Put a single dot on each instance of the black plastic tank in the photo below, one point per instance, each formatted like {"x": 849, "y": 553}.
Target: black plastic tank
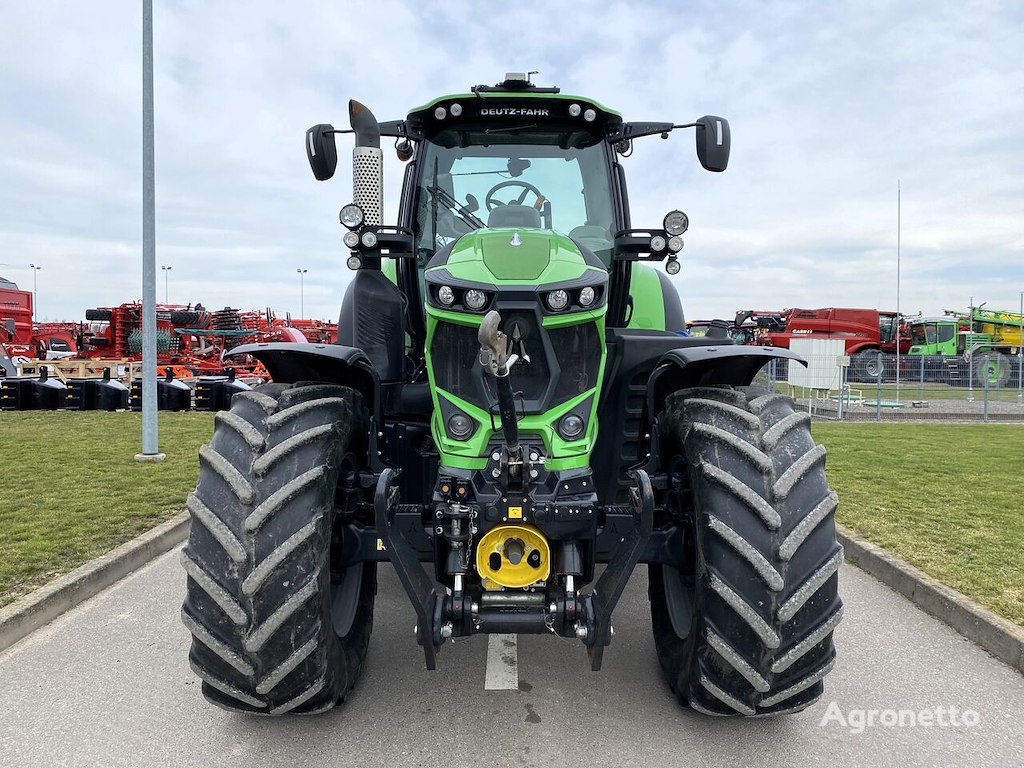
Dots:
{"x": 214, "y": 393}
{"x": 373, "y": 320}
{"x": 171, "y": 394}
{"x": 104, "y": 394}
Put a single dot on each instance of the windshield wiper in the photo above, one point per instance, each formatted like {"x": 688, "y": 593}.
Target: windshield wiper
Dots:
{"x": 456, "y": 207}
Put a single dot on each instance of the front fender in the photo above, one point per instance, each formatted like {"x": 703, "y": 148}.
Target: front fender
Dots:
{"x": 726, "y": 364}
{"x": 290, "y": 362}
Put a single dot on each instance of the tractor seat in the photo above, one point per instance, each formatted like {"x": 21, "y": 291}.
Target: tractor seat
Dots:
{"x": 596, "y": 239}
{"x": 591, "y": 235}
{"x": 512, "y": 215}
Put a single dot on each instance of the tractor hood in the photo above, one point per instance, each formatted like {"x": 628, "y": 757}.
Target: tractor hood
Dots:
{"x": 515, "y": 256}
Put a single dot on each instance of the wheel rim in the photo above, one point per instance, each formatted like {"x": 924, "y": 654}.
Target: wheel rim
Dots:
{"x": 992, "y": 371}
{"x": 679, "y": 597}
{"x": 345, "y": 599}
{"x": 346, "y": 583}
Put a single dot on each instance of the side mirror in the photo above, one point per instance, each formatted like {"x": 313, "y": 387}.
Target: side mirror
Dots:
{"x": 321, "y": 151}
{"x": 713, "y": 143}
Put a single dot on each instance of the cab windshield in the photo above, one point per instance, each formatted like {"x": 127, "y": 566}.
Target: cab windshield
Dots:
{"x": 517, "y": 185}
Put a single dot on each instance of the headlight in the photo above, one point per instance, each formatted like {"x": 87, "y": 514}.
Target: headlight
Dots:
{"x": 589, "y": 115}
{"x": 351, "y": 239}
{"x": 587, "y": 296}
{"x": 558, "y": 300}
{"x": 657, "y": 243}
{"x": 676, "y": 222}
{"x": 675, "y": 244}
{"x": 571, "y": 426}
{"x": 460, "y": 426}
{"x": 475, "y": 299}
{"x": 352, "y": 216}
{"x": 446, "y": 295}
{"x": 574, "y": 110}
{"x": 369, "y": 239}
{"x": 354, "y": 262}
{"x": 672, "y": 266}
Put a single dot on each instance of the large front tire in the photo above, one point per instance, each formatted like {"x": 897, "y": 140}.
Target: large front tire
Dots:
{"x": 274, "y": 629}
{"x": 748, "y": 631}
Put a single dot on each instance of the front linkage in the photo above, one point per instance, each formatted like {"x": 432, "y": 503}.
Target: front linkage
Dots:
{"x": 555, "y": 608}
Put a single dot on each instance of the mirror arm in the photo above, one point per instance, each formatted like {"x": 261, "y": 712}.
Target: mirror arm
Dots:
{"x": 394, "y": 129}
{"x": 627, "y": 135}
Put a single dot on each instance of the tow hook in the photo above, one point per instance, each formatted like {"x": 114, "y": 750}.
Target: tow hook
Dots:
{"x": 497, "y": 362}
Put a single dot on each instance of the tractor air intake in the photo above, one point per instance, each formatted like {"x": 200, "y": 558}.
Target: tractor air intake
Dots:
{"x": 367, "y": 163}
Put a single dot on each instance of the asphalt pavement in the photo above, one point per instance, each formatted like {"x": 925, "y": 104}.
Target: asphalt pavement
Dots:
{"x": 108, "y": 684}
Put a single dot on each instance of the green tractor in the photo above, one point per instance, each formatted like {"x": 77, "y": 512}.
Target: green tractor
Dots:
{"x": 509, "y": 406}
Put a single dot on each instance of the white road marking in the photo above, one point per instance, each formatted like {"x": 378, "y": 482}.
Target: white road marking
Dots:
{"x": 502, "y": 663}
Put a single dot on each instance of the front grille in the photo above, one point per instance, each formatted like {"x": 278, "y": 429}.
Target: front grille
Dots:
{"x": 579, "y": 356}
{"x": 563, "y": 362}
{"x": 454, "y": 356}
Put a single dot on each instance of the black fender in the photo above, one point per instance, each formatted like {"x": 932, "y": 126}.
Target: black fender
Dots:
{"x": 289, "y": 362}
{"x": 696, "y": 366}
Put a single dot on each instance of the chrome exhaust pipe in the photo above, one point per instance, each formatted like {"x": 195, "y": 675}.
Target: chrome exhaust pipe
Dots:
{"x": 367, "y": 163}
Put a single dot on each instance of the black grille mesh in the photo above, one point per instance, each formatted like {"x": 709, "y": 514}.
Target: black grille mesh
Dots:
{"x": 454, "y": 356}
{"x": 576, "y": 349}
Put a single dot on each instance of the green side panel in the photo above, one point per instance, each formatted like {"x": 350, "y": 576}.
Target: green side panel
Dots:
{"x": 487, "y": 256}
{"x": 648, "y": 300}
{"x": 459, "y": 318}
{"x": 390, "y": 270}
{"x": 575, "y": 318}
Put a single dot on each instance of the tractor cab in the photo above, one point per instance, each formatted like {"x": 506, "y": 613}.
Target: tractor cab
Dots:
{"x": 513, "y": 156}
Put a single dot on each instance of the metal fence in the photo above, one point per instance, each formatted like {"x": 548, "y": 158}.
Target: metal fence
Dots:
{"x": 986, "y": 387}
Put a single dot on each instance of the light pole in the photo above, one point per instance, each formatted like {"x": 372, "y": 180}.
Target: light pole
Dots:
{"x": 167, "y": 271}
{"x": 967, "y": 353}
{"x": 897, "y": 320}
{"x": 969, "y": 350}
{"x": 1020, "y": 354}
{"x": 302, "y": 292}
{"x": 35, "y": 271}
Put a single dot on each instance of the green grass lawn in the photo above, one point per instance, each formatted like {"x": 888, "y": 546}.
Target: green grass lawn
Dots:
{"x": 72, "y": 489}
{"x": 946, "y": 498}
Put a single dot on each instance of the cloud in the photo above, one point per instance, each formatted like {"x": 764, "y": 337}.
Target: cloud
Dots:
{"x": 830, "y": 105}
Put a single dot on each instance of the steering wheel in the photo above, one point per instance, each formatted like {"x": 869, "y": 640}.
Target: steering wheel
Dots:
{"x": 491, "y": 202}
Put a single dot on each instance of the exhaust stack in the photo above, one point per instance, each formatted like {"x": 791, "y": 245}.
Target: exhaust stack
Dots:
{"x": 367, "y": 163}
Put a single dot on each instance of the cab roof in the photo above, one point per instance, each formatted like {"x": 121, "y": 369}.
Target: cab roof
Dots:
{"x": 514, "y": 105}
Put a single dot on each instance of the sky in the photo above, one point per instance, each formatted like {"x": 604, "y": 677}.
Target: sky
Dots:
{"x": 833, "y": 106}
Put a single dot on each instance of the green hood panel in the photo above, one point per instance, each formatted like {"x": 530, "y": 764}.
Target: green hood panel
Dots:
{"x": 540, "y": 257}
{"x": 526, "y": 261}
